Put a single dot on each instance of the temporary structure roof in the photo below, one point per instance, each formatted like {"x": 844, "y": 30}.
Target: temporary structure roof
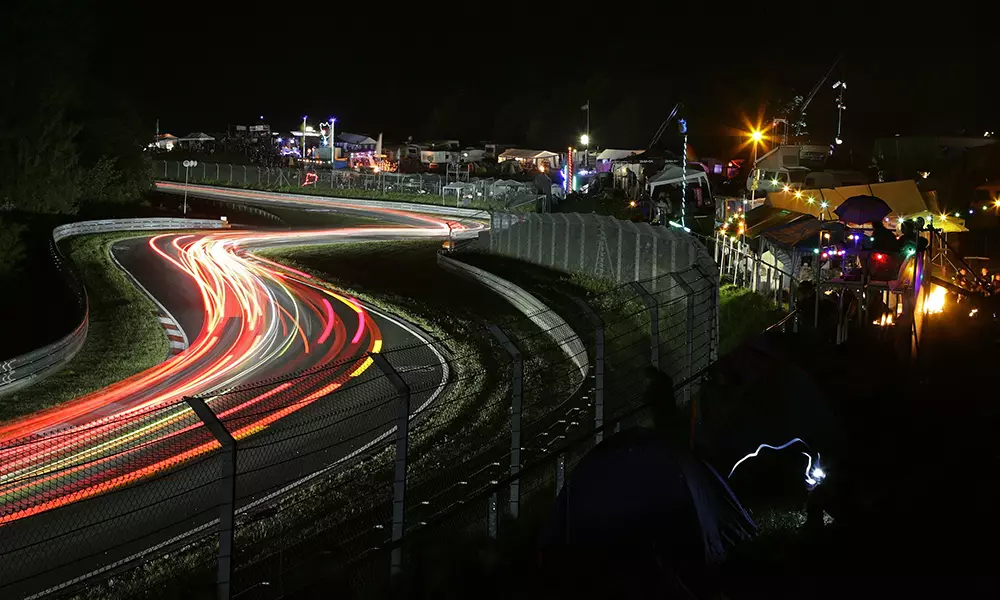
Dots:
{"x": 610, "y": 154}
{"x": 902, "y": 196}
{"x": 525, "y": 154}
{"x": 765, "y": 218}
{"x": 947, "y": 224}
{"x": 355, "y": 139}
{"x": 672, "y": 175}
{"x": 794, "y": 233}
{"x": 197, "y": 136}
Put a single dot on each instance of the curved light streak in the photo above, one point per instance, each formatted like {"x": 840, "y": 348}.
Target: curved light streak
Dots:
{"x": 260, "y": 319}
{"x": 761, "y": 447}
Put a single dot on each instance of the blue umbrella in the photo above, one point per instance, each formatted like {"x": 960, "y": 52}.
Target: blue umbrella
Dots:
{"x": 862, "y": 209}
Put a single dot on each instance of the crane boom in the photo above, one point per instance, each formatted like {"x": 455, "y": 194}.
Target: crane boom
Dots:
{"x": 663, "y": 125}
{"x": 815, "y": 90}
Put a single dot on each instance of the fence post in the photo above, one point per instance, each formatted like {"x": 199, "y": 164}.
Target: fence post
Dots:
{"x": 598, "y": 324}
{"x": 560, "y": 472}
{"x": 491, "y": 517}
{"x": 654, "y": 322}
{"x": 515, "y": 417}
{"x": 204, "y": 171}
{"x": 227, "y": 508}
{"x": 178, "y": 163}
{"x": 399, "y": 475}
{"x": 164, "y": 169}
{"x": 230, "y": 173}
{"x": 245, "y": 175}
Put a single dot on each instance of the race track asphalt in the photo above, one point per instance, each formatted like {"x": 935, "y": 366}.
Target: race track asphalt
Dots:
{"x": 108, "y": 476}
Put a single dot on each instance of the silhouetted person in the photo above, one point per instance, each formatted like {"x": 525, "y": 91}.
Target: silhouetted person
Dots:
{"x": 641, "y": 516}
{"x": 884, "y": 240}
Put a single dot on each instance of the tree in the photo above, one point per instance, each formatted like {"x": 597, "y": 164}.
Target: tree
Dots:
{"x": 792, "y": 111}
{"x": 11, "y": 248}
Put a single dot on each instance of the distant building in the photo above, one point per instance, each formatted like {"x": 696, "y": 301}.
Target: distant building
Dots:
{"x": 802, "y": 166}
{"x": 903, "y": 157}
{"x": 353, "y": 142}
{"x": 166, "y": 141}
{"x": 196, "y": 140}
{"x": 540, "y": 159}
{"x": 254, "y": 132}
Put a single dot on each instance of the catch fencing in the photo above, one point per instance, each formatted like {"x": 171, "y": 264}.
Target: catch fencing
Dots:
{"x": 595, "y": 245}
{"x": 426, "y": 187}
{"x": 331, "y": 473}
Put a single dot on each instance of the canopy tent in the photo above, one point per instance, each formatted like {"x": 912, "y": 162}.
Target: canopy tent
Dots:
{"x": 355, "y": 139}
{"x": 798, "y": 233}
{"x": 196, "y": 136}
{"x": 902, "y": 196}
{"x": 610, "y": 154}
{"x": 525, "y": 154}
{"x": 672, "y": 175}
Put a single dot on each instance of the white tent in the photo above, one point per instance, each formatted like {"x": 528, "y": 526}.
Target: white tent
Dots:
{"x": 197, "y": 136}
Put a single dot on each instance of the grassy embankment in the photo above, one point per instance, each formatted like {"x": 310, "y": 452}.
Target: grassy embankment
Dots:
{"x": 124, "y": 336}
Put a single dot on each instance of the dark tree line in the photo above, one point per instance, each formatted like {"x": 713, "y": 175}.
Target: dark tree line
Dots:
{"x": 67, "y": 139}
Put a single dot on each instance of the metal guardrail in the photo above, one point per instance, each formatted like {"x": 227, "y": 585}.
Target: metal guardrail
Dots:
{"x": 541, "y": 315}
{"x": 29, "y": 368}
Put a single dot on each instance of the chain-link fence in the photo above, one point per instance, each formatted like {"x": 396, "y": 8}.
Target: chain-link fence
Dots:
{"x": 269, "y": 486}
{"x": 427, "y": 188}
{"x": 595, "y": 245}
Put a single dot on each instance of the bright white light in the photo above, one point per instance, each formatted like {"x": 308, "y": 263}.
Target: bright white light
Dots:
{"x": 839, "y": 141}
{"x": 585, "y": 139}
{"x": 814, "y": 475}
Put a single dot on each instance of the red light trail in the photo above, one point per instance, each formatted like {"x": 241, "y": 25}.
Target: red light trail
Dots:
{"x": 261, "y": 319}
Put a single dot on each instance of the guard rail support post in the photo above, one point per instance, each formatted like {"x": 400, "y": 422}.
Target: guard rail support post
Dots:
{"x": 654, "y": 322}
{"x": 517, "y": 380}
{"x": 598, "y": 324}
{"x": 227, "y": 509}
{"x": 245, "y": 175}
{"x": 399, "y": 476}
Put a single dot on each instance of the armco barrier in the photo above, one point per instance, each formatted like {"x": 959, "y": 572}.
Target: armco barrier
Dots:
{"x": 541, "y": 315}
{"x": 296, "y": 200}
{"x": 21, "y": 371}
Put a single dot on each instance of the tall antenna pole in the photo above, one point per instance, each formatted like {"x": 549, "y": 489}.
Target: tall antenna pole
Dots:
{"x": 684, "y": 167}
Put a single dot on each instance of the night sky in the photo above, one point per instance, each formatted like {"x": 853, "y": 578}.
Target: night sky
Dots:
{"x": 513, "y": 74}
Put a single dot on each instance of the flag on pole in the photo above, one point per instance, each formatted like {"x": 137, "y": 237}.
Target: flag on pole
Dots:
{"x": 586, "y": 106}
